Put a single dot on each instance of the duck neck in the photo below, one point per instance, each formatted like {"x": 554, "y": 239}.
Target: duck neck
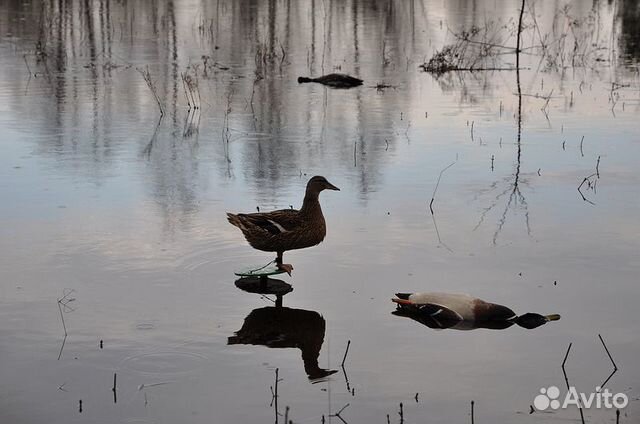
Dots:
{"x": 311, "y": 204}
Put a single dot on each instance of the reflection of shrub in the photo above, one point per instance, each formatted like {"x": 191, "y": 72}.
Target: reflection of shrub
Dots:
{"x": 475, "y": 49}
{"x": 443, "y": 61}
{"x": 570, "y": 42}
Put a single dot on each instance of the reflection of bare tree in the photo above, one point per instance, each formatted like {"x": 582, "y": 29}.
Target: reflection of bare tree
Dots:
{"x": 629, "y": 11}
{"x": 516, "y": 198}
{"x": 84, "y": 54}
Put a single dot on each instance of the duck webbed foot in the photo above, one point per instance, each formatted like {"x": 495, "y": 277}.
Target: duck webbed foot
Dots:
{"x": 286, "y": 268}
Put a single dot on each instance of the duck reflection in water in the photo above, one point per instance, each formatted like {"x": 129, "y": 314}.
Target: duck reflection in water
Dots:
{"x": 463, "y": 312}
{"x": 279, "y": 327}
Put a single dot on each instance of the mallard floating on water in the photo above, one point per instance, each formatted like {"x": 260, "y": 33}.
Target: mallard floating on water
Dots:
{"x": 447, "y": 310}
{"x": 287, "y": 229}
{"x": 334, "y": 80}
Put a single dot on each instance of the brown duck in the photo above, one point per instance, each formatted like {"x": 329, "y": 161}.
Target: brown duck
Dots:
{"x": 286, "y": 229}
{"x": 334, "y": 80}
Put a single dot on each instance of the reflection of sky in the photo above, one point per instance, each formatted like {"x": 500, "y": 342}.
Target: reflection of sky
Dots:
{"x": 142, "y": 236}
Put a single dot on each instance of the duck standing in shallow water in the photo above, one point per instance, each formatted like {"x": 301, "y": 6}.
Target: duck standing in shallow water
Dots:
{"x": 463, "y": 312}
{"x": 287, "y": 229}
{"x": 334, "y": 80}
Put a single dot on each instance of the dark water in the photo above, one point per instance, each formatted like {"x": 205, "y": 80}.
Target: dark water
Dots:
{"x": 124, "y": 211}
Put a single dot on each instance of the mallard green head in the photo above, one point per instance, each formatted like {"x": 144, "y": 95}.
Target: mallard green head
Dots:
{"x": 318, "y": 183}
{"x": 532, "y": 320}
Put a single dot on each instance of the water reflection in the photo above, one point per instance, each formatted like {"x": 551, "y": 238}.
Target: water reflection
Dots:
{"x": 463, "y": 312}
{"x": 629, "y": 12}
{"x": 250, "y": 53}
{"x": 281, "y": 327}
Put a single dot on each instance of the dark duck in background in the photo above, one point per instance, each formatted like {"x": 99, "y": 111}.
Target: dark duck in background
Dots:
{"x": 334, "y": 80}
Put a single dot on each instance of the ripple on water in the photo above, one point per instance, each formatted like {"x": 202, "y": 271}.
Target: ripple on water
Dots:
{"x": 144, "y": 326}
{"x": 164, "y": 363}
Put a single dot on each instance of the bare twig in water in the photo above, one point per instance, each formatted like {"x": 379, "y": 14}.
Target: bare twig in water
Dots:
{"x": 64, "y": 327}
{"x": 344, "y": 358}
{"x": 26, "y": 62}
{"x": 337, "y": 414}
{"x": 519, "y": 36}
{"x": 115, "y": 395}
{"x": 152, "y": 86}
{"x": 546, "y": 103}
{"x": 64, "y": 341}
{"x": 149, "y": 147}
{"x": 564, "y": 362}
{"x": 354, "y": 154}
{"x": 590, "y": 184}
{"x": 381, "y": 86}
{"x": 472, "y": 406}
{"x": 63, "y": 307}
{"x": 615, "y": 367}
{"x": 191, "y": 86}
{"x": 346, "y": 380}
{"x": 274, "y": 395}
{"x": 433, "y": 196}
{"x": 435, "y": 225}
{"x": 566, "y": 380}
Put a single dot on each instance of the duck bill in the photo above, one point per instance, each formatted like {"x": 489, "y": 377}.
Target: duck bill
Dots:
{"x": 332, "y": 187}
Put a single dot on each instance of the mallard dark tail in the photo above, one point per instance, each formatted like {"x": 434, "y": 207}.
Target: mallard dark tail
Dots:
{"x": 404, "y": 296}
{"x": 235, "y": 221}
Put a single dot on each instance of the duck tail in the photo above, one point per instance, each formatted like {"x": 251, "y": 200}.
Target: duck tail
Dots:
{"x": 404, "y": 296}
{"x": 235, "y": 220}
{"x": 401, "y": 302}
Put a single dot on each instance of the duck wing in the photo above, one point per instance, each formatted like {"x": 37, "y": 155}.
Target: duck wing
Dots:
{"x": 273, "y": 223}
{"x": 431, "y": 309}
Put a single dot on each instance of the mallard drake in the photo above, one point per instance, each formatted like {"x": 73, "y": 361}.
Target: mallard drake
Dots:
{"x": 462, "y": 311}
{"x": 287, "y": 229}
{"x": 334, "y": 80}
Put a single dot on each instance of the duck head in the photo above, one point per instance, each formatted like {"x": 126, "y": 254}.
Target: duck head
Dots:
{"x": 532, "y": 320}
{"x": 318, "y": 183}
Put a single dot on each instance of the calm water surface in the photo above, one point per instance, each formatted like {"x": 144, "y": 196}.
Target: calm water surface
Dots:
{"x": 123, "y": 211}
